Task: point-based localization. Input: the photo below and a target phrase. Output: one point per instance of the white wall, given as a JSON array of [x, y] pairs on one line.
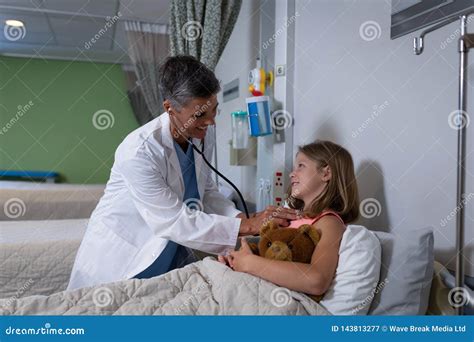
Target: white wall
[[405, 157], [237, 60]]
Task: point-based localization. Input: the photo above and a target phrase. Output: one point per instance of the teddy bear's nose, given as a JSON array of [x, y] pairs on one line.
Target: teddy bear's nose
[[276, 249]]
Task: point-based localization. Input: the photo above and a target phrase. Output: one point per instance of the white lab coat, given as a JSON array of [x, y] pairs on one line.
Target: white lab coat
[[142, 209]]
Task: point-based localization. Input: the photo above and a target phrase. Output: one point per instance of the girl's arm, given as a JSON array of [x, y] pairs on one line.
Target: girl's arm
[[314, 278]]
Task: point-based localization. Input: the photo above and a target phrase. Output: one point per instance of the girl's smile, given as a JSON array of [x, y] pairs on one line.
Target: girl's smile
[[308, 179]]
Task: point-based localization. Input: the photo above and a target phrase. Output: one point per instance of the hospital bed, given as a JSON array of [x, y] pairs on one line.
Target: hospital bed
[[35, 273], [42, 201], [36, 257]]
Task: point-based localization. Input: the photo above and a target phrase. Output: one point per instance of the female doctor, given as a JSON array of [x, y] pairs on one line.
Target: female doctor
[[144, 226]]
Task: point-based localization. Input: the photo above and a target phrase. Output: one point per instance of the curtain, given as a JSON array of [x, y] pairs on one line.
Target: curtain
[[201, 28], [135, 96], [148, 46], [139, 106]]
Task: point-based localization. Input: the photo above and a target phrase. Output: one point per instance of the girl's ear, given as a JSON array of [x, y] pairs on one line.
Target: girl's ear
[[326, 173]]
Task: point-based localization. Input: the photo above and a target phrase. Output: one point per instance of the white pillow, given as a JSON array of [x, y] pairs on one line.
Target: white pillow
[[406, 273], [357, 274]]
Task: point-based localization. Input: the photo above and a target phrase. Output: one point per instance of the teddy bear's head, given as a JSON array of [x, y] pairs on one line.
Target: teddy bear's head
[[288, 244]]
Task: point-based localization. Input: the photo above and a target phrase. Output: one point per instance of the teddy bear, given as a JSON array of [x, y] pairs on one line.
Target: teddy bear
[[287, 244]]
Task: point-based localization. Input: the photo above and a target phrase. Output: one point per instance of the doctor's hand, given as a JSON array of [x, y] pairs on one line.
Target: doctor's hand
[[281, 216]]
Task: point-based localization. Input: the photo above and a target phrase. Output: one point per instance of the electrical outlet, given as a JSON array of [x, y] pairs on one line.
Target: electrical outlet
[[278, 188]]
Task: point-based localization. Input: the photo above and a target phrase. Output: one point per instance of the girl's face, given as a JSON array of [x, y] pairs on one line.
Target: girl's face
[[308, 180]]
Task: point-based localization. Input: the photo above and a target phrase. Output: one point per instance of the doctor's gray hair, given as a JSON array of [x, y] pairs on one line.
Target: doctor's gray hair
[[183, 78]]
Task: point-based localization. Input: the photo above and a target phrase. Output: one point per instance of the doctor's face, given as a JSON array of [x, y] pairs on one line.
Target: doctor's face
[[191, 121]]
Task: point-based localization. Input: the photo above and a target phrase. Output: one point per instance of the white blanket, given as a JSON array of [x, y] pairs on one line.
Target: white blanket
[[206, 287], [36, 257]]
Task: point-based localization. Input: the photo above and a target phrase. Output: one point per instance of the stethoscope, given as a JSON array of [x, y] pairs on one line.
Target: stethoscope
[[201, 152]]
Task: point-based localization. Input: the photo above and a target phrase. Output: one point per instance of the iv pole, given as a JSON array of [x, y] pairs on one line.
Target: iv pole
[[466, 42]]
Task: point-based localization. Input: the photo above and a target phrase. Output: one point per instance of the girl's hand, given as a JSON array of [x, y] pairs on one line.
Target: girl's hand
[[241, 259], [226, 260]]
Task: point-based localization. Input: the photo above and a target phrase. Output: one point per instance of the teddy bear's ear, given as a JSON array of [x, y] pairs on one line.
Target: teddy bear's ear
[[311, 232], [266, 228], [254, 248]]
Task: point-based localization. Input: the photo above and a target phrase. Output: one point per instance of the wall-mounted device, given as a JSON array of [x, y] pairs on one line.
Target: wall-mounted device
[[260, 120], [259, 80], [240, 130]]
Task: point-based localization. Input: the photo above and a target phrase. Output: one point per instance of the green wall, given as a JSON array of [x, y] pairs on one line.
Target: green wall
[[46, 117]]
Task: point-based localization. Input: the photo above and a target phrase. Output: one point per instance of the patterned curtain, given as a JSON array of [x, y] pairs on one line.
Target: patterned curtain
[[201, 28], [148, 47]]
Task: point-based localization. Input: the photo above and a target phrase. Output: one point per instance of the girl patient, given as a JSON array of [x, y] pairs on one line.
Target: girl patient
[[324, 189]]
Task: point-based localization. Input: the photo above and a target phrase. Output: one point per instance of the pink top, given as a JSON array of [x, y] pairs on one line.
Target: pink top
[[298, 223]]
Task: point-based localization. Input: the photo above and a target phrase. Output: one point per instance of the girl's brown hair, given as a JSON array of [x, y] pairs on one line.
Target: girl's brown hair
[[341, 194]]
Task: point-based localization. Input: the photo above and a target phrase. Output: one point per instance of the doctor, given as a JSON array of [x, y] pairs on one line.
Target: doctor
[[145, 224]]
